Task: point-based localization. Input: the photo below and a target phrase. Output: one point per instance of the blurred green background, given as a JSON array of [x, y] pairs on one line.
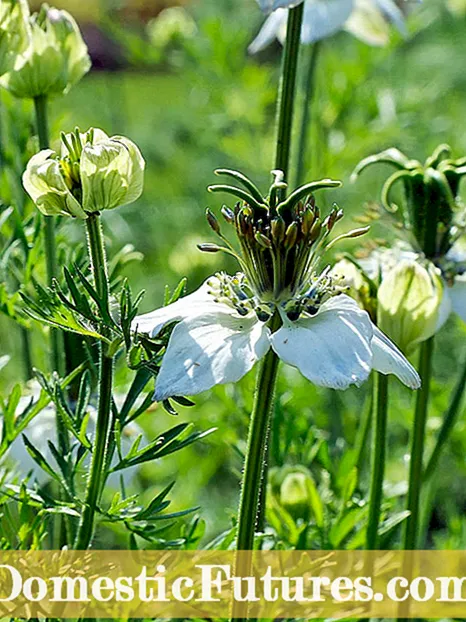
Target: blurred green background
[[198, 101]]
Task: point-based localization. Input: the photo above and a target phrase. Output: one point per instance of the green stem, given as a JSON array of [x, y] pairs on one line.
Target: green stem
[[97, 469], [251, 495], [309, 89], [417, 447], [27, 353], [255, 453], [449, 420], [287, 90], [360, 445], [255, 466], [40, 104], [379, 444]]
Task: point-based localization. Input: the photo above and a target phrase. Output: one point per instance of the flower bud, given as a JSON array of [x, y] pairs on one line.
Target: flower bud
[[54, 60], [409, 304], [92, 173], [295, 494], [212, 220], [278, 229], [14, 32], [291, 235]]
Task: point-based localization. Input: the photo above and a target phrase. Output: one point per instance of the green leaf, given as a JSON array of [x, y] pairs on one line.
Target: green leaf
[[40, 460]]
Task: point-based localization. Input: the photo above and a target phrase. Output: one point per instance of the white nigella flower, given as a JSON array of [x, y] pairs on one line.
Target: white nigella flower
[[368, 20], [280, 300]]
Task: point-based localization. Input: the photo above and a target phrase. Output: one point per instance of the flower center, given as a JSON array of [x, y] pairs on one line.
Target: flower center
[[282, 240]]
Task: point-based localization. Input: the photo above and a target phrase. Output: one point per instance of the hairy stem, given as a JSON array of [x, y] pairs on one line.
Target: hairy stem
[[97, 470], [417, 447], [379, 443], [254, 471], [287, 92], [304, 130], [40, 104]]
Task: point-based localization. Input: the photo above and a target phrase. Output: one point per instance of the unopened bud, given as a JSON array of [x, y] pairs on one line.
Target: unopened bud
[[262, 240], [409, 304], [209, 248], [212, 220], [308, 221], [315, 230], [228, 214], [291, 235], [54, 60], [278, 230]]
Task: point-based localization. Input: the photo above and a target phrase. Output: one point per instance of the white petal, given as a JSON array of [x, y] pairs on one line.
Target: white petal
[[332, 348], [394, 14], [445, 307], [192, 305], [218, 347], [323, 18], [368, 24], [458, 296], [388, 359], [272, 5], [274, 27]]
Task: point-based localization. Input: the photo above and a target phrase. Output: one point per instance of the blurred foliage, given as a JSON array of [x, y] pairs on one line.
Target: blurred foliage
[[200, 103]]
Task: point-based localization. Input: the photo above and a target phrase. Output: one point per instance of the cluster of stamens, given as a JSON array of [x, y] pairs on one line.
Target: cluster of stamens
[[282, 239]]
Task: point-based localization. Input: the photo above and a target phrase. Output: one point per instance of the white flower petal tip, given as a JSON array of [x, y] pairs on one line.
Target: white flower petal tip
[[267, 6], [458, 296], [387, 359], [216, 347], [197, 303], [324, 18], [331, 349], [274, 27]]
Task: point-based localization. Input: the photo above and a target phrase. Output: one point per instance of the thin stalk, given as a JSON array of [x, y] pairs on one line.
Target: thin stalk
[[285, 110], [40, 105], [255, 466], [449, 420], [287, 91], [27, 353], [417, 447], [360, 445], [379, 445], [304, 130], [97, 469], [255, 453]]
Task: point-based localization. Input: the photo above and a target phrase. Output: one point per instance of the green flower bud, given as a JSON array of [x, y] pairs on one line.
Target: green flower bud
[[409, 304], [14, 32], [92, 173], [112, 173], [295, 494], [55, 59]]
